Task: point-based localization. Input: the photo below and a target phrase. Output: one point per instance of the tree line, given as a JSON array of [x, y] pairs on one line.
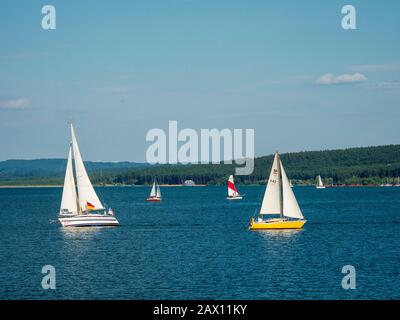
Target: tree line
[[366, 165]]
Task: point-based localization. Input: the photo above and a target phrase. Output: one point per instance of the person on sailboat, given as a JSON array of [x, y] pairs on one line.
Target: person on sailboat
[[110, 212]]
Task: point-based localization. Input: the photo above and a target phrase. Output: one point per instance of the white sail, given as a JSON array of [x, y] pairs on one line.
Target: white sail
[[153, 190], [69, 200], [319, 184], [272, 197], [158, 193], [232, 191], [86, 194], [291, 208]]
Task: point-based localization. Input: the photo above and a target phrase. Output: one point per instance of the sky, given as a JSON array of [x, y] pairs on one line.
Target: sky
[[286, 69]]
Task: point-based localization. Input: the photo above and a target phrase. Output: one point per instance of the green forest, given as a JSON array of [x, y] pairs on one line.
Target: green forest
[[353, 166]]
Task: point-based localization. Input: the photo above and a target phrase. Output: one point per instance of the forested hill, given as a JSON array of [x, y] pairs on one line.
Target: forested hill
[[50, 171], [366, 165]]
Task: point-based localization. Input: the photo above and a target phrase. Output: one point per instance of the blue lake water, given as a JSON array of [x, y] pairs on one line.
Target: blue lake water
[[195, 245]]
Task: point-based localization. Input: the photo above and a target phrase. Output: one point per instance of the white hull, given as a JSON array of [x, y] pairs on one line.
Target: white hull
[[235, 198], [320, 187], [88, 220]]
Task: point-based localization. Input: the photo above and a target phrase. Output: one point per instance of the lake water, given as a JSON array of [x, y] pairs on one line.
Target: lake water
[[195, 245]]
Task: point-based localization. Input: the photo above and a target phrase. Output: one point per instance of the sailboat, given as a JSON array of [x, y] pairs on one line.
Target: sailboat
[[80, 205], [155, 193], [233, 192], [279, 200], [290, 183], [319, 185]]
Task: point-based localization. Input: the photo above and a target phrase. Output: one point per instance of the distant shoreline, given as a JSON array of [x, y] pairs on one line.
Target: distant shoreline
[[107, 186], [31, 186], [197, 185]]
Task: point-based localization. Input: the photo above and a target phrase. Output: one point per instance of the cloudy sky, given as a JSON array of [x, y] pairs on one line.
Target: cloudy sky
[[120, 68]]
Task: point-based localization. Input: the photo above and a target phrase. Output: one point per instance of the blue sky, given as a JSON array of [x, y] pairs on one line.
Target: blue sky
[[120, 68]]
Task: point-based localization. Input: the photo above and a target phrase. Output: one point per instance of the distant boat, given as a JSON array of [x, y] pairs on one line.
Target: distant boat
[[80, 205], [280, 200], [155, 193], [398, 182], [233, 193], [319, 185]]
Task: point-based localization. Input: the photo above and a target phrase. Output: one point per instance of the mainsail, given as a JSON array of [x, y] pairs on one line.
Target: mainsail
[[69, 200], [291, 208], [319, 183], [272, 197], [232, 191], [88, 198], [153, 192]]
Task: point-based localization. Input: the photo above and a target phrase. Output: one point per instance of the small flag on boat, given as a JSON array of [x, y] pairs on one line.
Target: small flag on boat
[[89, 206]]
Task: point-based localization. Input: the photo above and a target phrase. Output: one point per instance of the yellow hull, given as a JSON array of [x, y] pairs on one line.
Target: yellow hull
[[282, 224]]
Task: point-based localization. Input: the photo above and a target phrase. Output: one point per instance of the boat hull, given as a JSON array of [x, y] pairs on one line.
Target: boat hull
[[320, 187], [153, 199], [234, 198], [90, 220], [280, 224]]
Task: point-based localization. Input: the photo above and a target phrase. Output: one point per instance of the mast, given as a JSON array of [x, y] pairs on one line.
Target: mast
[[74, 176], [280, 186]]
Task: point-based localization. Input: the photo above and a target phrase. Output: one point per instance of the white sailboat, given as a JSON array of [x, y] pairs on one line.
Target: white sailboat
[[319, 185], [155, 193], [80, 205], [233, 192], [279, 200]]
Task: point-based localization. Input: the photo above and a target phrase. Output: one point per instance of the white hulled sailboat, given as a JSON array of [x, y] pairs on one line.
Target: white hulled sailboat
[[319, 185], [279, 200], [80, 205], [155, 193], [233, 192]]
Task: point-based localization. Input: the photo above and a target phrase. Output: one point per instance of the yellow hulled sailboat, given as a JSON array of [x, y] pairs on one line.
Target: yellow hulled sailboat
[[279, 201]]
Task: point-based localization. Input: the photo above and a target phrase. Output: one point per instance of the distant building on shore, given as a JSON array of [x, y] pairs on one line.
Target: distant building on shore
[[188, 183]]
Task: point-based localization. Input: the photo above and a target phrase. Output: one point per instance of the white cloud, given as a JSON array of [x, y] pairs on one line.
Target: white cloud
[[18, 103], [329, 79]]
